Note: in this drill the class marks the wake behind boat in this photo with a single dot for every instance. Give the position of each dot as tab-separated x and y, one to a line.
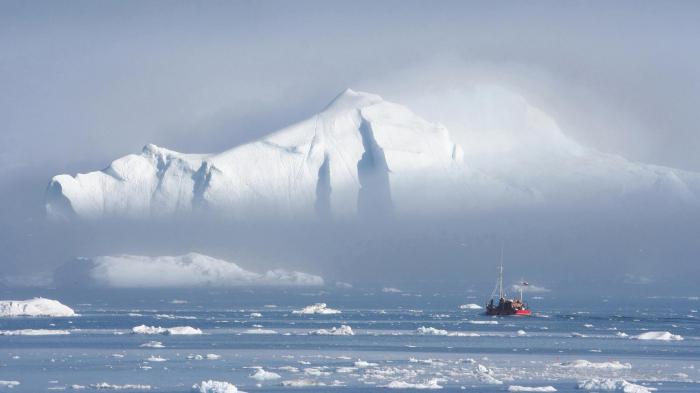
506	306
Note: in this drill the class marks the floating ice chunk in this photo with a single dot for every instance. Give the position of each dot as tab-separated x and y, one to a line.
34	332
255	315
343	330
177	330
430	384
431	331
611	385
470	306
152	344
9	384
301	383
157	359
215	387
260	331
213	356
262	375
484	322
318	308
521	333
391	290
109	386
364	364
37	307
516	388
580	363
621	334
662	336
486	375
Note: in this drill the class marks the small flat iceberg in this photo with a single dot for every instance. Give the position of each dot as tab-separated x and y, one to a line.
34	332
9	384
430	384
431	331
261	375
343	330
317	308
613	385
661	336
516	388
470	306
177	330
580	363
215	387
37	307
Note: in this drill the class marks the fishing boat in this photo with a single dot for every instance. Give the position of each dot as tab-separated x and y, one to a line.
506	306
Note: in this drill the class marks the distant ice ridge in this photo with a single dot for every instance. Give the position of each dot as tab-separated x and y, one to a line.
343	330
183	271
613	385
37	307
517	388
177	330
363	155
317	308
215	387
661	336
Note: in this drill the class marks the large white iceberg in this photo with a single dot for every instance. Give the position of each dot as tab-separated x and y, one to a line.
215	387
184	271
613	385
363	155
37	307
177	330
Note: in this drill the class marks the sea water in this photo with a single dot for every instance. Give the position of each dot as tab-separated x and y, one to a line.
410	340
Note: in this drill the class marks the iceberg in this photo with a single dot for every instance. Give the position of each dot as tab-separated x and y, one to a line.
612	385
261	375
37	307
343	330
317	308
430	384
661	336
34	332
517	388
184	271
215	387
581	363
177	330
470	306
365	156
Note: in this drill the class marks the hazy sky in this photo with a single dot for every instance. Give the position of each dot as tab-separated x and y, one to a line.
82	83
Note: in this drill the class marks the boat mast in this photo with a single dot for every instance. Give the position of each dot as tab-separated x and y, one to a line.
500	277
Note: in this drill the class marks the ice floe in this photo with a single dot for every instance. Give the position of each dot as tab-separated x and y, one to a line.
156	358
581	363
431	331
260	331
470	306
317	308
109	386
343	330
37	307
261	375
301	383
177	330
34	332
215	387
661	336
486	375
517	388
9	384
430	384
612	385
152	344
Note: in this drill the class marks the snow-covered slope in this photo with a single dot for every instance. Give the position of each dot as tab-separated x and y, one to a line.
37	307
190	270
361	156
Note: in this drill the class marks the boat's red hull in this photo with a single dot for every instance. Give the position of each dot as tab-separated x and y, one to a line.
523	312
